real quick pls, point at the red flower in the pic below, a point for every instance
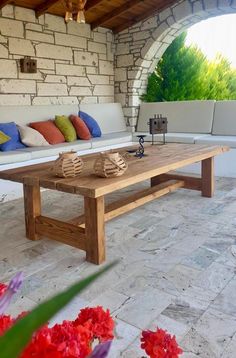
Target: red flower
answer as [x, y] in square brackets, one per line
[3, 288]
[5, 323]
[61, 341]
[98, 321]
[160, 344]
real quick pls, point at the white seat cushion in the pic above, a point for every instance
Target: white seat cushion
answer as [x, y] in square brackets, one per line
[224, 118]
[111, 139]
[41, 152]
[183, 116]
[217, 140]
[109, 116]
[14, 156]
[188, 138]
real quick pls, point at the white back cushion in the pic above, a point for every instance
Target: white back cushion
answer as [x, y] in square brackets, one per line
[183, 116]
[225, 118]
[109, 116]
[25, 114]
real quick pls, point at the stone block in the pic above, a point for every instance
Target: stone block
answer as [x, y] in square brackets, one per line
[150, 23]
[165, 14]
[3, 52]
[98, 37]
[55, 79]
[109, 99]
[54, 100]
[8, 69]
[78, 81]
[125, 60]
[141, 35]
[103, 90]
[70, 40]
[97, 47]
[34, 27]
[85, 58]
[15, 100]
[8, 11]
[69, 70]
[88, 100]
[17, 86]
[55, 23]
[91, 70]
[80, 91]
[98, 79]
[106, 67]
[160, 31]
[38, 36]
[3, 39]
[120, 98]
[51, 89]
[123, 87]
[122, 49]
[31, 76]
[82, 30]
[11, 28]
[45, 64]
[120, 74]
[182, 11]
[21, 47]
[24, 14]
[53, 51]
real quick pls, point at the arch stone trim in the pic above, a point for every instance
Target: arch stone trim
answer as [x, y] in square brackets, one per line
[139, 48]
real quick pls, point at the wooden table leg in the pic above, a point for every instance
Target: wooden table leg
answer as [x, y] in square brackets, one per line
[32, 201]
[95, 229]
[208, 180]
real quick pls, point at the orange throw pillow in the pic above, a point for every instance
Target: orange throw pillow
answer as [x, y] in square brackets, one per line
[50, 132]
[80, 127]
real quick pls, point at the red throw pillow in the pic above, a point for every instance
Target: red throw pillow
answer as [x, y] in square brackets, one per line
[50, 132]
[80, 127]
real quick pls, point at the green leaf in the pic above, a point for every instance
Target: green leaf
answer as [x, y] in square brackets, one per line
[17, 337]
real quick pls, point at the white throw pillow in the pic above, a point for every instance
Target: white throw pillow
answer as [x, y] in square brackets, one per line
[31, 137]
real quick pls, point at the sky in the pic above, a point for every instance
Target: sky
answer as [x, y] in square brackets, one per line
[215, 35]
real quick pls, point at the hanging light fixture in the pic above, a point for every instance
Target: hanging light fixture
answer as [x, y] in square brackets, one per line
[80, 16]
[69, 11]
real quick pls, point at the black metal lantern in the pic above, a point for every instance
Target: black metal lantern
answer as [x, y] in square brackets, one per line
[158, 125]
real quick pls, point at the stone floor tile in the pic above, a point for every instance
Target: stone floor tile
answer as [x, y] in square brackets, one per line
[200, 258]
[217, 328]
[141, 309]
[194, 344]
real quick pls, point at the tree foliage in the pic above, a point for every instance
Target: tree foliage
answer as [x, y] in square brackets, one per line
[184, 73]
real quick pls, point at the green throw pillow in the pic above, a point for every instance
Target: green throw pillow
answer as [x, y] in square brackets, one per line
[66, 127]
[4, 138]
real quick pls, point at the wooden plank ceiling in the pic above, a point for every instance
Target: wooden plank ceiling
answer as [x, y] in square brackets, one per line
[113, 14]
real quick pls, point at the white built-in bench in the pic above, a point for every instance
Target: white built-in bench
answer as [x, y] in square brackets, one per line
[108, 115]
[196, 122]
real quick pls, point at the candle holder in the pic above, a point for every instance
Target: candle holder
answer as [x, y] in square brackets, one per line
[140, 150]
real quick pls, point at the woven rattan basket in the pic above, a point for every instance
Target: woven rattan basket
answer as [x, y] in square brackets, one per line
[110, 165]
[68, 165]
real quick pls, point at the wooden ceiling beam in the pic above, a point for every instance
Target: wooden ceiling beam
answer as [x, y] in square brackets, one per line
[151, 12]
[4, 3]
[92, 3]
[115, 13]
[44, 7]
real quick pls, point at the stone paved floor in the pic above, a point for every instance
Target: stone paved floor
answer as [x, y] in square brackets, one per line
[176, 271]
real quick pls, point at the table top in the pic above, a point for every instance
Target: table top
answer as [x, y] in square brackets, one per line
[159, 159]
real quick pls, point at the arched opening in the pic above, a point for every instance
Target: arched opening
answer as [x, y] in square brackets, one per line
[158, 32]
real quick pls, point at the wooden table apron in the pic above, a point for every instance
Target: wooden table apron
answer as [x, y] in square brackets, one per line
[87, 231]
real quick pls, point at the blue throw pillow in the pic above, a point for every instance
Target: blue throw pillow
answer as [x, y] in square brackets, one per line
[11, 130]
[92, 125]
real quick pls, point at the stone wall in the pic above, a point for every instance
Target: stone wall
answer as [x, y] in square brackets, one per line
[139, 48]
[75, 64]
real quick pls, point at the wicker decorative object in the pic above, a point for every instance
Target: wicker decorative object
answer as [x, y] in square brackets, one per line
[110, 165]
[68, 165]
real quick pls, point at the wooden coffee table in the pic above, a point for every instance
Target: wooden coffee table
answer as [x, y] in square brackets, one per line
[87, 232]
